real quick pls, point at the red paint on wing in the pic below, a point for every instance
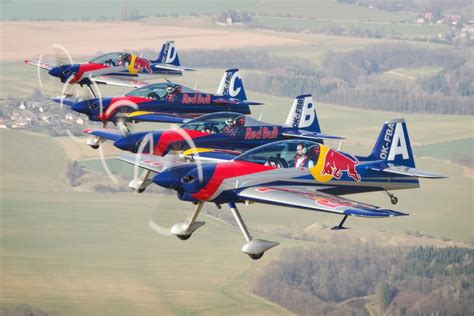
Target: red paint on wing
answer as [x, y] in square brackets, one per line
[227, 170]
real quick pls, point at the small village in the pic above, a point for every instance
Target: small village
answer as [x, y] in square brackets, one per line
[39, 114]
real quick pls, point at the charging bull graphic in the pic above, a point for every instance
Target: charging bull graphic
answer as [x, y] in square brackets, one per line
[335, 163]
[138, 64]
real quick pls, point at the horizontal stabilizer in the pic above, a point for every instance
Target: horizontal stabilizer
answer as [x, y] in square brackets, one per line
[108, 134]
[309, 135]
[406, 171]
[170, 67]
[225, 101]
[155, 117]
[252, 103]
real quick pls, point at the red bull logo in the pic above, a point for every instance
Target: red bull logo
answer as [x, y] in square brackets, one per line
[261, 133]
[140, 65]
[335, 163]
[196, 98]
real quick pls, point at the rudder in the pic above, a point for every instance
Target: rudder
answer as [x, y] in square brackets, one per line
[393, 144]
[168, 54]
[303, 114]
[231, 85]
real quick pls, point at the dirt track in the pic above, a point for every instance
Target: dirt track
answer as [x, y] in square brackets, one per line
[29, 39]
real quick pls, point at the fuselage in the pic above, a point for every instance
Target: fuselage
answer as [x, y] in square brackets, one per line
[222, 181]
[188, 104]
[80, 73]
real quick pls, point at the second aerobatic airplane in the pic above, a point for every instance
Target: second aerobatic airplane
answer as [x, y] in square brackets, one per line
[222, 130]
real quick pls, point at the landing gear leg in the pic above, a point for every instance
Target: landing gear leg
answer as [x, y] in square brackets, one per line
[255, 248]
[392, 197]
[91, 90]
[94, 142]
[341, 224]
[140, 185]
[183, 230]
[122, 125]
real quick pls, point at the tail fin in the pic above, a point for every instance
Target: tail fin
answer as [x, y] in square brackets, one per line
[168, 54]
[303, 115]
[231, 85]
[393, 144]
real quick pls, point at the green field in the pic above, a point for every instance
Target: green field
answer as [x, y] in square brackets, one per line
[112, 9]
[320, 9]
[406, 29]
[445, 150]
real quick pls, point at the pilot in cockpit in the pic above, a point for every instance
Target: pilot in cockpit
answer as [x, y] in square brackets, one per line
[300, 157]
[229, 128]
[172, 92]
[313, 156]
[122, 60]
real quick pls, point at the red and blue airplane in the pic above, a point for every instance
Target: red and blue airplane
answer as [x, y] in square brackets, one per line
[118, 68]
[312, 177]
[228, 131]
[166, 102]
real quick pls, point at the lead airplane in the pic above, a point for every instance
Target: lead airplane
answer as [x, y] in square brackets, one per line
[165, 102]
[314, 178]
[118, 68]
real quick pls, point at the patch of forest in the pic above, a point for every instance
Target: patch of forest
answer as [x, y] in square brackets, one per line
[356, 78]
[399, 281]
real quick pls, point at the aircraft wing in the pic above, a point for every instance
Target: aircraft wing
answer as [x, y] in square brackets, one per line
[406, 171]
[309, 135]
[109, 134]
[66, 101]
[117, 81]
[301, 197]
[150, 162]
[155, 117]
[209, 154]
[39, 64]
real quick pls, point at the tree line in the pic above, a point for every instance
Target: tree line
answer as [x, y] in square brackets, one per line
[356, 78]
[414, 281]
